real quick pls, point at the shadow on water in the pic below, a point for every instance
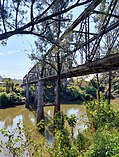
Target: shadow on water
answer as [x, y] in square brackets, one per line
[48, 132]
[9, 106]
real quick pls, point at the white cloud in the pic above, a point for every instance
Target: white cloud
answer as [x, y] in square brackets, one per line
[1, 54]
[14, 51]
[10, 52]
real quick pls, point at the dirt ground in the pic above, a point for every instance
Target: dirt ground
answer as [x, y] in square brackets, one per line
[115, 104]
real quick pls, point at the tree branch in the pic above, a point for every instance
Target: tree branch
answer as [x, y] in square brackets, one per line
[37, 20]
[31, 13]
[17, 11]
[3, 16]
[41, 35]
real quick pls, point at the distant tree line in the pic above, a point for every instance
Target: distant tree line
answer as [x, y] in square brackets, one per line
[11, 93]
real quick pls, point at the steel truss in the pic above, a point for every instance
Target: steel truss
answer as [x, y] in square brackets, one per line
[82, 44]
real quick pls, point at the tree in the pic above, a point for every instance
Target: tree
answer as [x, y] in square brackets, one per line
[57, 56]
[8, 84]
[35, 18]
[55, 61]
[23, 16]
[110, 39]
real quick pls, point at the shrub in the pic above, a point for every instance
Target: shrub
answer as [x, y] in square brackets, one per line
[88, 97]
[105, 144]
[10, 99]
[91, 90]
[63, 145]
[3, 99]
[100, 114]
[81, 141]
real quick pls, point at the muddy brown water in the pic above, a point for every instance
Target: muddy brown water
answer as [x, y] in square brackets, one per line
[9, 118]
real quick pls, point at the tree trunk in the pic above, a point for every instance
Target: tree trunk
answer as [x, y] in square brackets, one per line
[98, 88]
[110, 86]
[40, 113]
[58, 85]
[27, 96]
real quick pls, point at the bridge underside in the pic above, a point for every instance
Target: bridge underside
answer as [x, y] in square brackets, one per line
[98, 66]
[106, 64]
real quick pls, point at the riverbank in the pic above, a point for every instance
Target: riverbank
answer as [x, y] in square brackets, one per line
[83, 144]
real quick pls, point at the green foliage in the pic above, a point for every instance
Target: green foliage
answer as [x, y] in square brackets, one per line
[102, 143]
[59, 120]
[100, 113]
[3, 99]
[93, 83]
[9, 85]
[48, 93]
[81, 141]
[88, 97]
[36, 143]
[2, 89]
[15, 142]
[21, 139]
[11, 93]
[10, 99]
[72, 120]
[91, 90]
[63, 145]
[105, 144]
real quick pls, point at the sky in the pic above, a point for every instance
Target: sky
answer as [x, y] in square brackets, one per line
[14, 60]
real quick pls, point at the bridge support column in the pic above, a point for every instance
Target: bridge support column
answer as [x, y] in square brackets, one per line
[27, 96]
[40, 113]
[36, 96]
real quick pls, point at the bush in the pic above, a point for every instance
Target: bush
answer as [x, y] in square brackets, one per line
[3, 99]
[105, 144]
[10, 99]
[72, 94]
[88, 97]
[91, 90]
[100, 114]
[63, 145]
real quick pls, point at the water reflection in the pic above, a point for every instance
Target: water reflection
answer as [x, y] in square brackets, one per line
[78, 110]
[11, 116]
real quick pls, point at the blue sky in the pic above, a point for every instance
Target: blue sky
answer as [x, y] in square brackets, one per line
[14, 61]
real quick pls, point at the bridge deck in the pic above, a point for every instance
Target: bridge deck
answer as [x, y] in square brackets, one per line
[106, 64]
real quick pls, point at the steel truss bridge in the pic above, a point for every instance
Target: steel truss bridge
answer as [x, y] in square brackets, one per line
[84, 49]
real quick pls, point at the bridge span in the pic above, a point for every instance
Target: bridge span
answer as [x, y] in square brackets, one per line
[80, 50]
